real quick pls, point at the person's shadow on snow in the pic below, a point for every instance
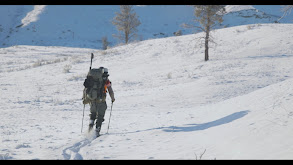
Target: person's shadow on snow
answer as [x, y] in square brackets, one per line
[203, 126]
[197, 127]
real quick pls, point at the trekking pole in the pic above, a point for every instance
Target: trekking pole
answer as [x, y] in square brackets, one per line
[110, 117]
[92, 56]
[82, 118]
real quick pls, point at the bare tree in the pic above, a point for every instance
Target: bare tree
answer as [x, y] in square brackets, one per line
[105, 43]
[126, 23]
[286, 10]
[208, 17]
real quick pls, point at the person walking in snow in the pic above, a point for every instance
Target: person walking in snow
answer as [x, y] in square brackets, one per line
[96, 86]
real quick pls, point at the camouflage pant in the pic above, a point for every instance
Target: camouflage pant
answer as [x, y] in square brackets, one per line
[98, 112]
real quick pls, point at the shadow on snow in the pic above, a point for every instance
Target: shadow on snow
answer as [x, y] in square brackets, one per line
[203, 126]
[198, 127]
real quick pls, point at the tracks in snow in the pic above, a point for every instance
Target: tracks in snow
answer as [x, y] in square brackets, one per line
[72, 152]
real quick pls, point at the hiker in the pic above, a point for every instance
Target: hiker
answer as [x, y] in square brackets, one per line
[96, 86]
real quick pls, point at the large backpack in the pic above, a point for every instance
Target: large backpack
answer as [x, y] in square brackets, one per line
[95, 85]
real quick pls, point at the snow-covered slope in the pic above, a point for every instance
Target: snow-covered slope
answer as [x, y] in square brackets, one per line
[236, 8]
[247, 14]
[33, 15]
[170, 104]
[85, 25]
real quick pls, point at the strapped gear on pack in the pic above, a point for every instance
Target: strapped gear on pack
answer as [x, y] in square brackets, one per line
[95, 85]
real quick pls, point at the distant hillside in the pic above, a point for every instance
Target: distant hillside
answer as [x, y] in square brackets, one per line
[246, 14]
[85, 25]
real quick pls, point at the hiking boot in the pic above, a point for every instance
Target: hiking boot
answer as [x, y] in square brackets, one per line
[98, 129]
[91, 125]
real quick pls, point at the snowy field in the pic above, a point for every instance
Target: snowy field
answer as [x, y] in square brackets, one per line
[170, 103]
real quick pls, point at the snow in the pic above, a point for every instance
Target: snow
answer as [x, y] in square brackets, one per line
[235, 8]
[170, 103]
[33, 15]
[235, 106]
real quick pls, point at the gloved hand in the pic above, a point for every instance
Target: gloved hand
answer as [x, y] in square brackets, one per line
[113, 100]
